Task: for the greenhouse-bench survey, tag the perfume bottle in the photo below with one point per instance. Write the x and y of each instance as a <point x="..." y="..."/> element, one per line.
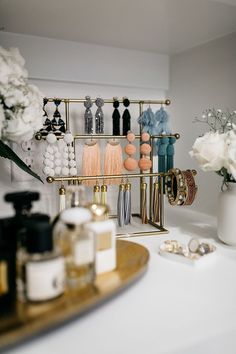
<point x="78" y="247"/>
<point x="105" y="235"/>
<point x="42" y="270"/>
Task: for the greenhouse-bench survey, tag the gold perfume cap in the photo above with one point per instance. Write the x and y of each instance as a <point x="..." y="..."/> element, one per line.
<point x="99" y="211"/>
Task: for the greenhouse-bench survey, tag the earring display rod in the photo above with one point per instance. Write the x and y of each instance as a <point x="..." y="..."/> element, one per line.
<point x="39" y="136"/>
<point x="166" y="102"/>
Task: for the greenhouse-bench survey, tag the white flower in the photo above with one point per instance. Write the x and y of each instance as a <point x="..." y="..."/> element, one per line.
<point x="21" y="103"/>
<point x="2" y="119"/>
<point x="209" y="150"/>
<point x="231" y="153"/>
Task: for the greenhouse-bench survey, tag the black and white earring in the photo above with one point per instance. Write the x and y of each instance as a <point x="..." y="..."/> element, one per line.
<point x="99" y="116"/>
<point x="88" y="116"/>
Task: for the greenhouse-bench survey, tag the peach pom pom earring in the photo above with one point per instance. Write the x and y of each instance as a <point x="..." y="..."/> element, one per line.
<point x="130" y="163"/>
<point x="145" y="149"/>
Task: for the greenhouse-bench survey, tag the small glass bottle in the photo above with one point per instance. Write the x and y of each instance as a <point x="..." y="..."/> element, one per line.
<point x="42" y="270"/>
<point x="78" y="247"/>
<point x="105" y="236"/>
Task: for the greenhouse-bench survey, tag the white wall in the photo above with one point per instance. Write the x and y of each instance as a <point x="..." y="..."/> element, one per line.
<point x="69" y="69"/>
<point x="200" y="78"/>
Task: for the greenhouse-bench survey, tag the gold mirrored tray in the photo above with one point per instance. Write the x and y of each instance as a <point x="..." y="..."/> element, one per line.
<point x="31" y="320"/>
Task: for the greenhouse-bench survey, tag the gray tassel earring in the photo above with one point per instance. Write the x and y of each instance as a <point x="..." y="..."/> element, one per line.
<point x="88" y="116"/>
<point x="99" y="116"/>
<point x="120" y="205"/>
<point x="127" y="202"/>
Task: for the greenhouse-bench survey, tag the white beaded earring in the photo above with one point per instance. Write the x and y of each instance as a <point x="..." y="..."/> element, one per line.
<point x="49" y="159"/>
<point x="69" y="163"/>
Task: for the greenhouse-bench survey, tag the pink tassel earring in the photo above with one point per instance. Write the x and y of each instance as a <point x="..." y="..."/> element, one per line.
<point x="91" y="160"/>
<point x="113" y="162"/>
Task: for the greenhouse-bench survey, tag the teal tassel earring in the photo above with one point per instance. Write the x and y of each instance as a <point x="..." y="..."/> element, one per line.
<point x="170" y="153"/>
<point x="162" y="147"/>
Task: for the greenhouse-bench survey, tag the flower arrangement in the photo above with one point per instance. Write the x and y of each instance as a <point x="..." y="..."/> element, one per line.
<point x="20" y="105"/>
<point x="216" y="149"/>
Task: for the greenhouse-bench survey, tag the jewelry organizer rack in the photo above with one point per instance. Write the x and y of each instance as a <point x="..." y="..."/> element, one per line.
<point x="159" y="226"/>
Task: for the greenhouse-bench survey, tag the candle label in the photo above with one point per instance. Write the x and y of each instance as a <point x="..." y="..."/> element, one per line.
<point x="104" y="241"/>
<point x="84" y="252"/>
<point x="45" y="280"/>
<point x="3" y="278"/>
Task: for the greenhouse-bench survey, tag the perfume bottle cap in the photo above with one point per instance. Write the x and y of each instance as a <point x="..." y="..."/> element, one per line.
<point x="39" y="237"/>
<point x="22" y="201"/>
<point x="99" y="211"/>
<point x="76" y="216"/>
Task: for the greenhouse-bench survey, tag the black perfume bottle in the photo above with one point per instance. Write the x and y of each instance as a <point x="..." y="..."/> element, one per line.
<point x="12" y="241"/>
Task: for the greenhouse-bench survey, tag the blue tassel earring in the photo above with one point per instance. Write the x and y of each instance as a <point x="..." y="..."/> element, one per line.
<point x="170" y="153"/>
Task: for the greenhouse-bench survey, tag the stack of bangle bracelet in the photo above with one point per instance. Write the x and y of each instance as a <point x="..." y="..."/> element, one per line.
<point x="180" y="187"/>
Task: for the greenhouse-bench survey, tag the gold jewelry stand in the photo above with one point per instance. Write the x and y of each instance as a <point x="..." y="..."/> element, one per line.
<point x="78" y="179"/>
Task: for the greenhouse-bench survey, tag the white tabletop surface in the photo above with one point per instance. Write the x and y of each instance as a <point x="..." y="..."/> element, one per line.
<point x="174" y="308"/>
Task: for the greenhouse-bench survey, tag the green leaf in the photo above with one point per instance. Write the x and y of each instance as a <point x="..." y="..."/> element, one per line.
<point x="8" y="153"/>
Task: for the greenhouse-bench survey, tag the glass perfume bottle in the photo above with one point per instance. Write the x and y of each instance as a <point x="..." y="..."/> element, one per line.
<point x="78" y="247"/>
<point x="41" y="271"/>
<point x="105" y="235"/>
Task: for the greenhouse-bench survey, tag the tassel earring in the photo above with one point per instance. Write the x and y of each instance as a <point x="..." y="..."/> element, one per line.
<point x="162" y="147"/>
<point x="91" y="165"/>
<point x="104" y="194"/>
<point x="113" y="162"/>
<point x="126" y="117"/>
<point x="127" y="203"/>
<point x="144" y="203"/>
<point x="88" y="116"/>
<point x="170" y="151"/>
<point x="99" y="116"/>
<point x="96" y="193"/>
<point x="62" y="198"/>
<point x="121" y="205"/>
<point x="155" y="202"/>
<point x="116" y="117"/>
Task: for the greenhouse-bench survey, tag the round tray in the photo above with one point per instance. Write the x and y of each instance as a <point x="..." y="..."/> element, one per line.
<point x="31" y="320"/>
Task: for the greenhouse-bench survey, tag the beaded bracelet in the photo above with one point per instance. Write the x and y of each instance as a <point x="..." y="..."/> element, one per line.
<point x="175" y="187"/>
<point x="191" y="188"/>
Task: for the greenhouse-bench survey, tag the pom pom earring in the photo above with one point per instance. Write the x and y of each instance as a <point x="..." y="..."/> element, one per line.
<point x="126" y="117"/>
<point x="99" y="116"/>
<point x="68" y="162"/>
<point x="145" y="149"/>
<point x="130" y="163"/>
<point x="116" y="118"/>
<point x="49" y="155"/>
<point x="88" y="116"/>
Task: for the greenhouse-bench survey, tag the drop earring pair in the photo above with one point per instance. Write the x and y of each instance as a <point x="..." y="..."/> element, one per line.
<point x="125" y="117"/>
<point x="100" y="198"/>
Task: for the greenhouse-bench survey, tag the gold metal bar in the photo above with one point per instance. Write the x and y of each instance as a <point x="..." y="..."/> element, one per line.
<point x="67" y="114"/>
<point x="51" y="179"/>
<point x="108" y="136"/>
<point x="81" y="100"/>
<point x="161" y="201"/>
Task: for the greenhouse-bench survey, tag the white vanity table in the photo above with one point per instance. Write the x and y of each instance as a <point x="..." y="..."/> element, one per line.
<point x="174" y="308"/>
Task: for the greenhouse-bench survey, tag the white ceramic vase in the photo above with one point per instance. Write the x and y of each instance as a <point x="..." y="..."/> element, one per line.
<point x="226" y="218"/>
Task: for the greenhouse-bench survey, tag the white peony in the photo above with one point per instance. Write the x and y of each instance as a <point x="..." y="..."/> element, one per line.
<point x="210" y="151"/>
<point x="231" y="153"/>
<point x="21" y="102"/>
